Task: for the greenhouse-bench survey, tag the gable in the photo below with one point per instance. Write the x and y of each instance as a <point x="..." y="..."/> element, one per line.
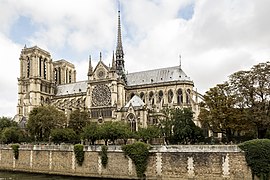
<point x="101" y="71"/>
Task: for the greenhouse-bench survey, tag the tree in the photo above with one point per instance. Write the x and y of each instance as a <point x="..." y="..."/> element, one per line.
<point x="11" y="135"/>
<point x="78" y="120"/>
<point x="178" y="127"/>
<point x="166" y="126"/>
<point x="7" y="122"/>
<point x="111" y="131"/>
<point x="65" y="135"/>
<point x="184" y="129"/>
<point x="91" y="132"/>
<point x="252" y="89"/>
<point x="220" y="114"/>
<point x="43" y="119"/>
<point x="124" y="132"/>
<point x="148" y="133"/>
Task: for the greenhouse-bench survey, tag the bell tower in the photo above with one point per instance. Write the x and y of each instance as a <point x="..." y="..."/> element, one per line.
<point x="36" y="82"/>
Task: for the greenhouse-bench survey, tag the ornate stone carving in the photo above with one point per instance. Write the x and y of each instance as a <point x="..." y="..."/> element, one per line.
<point x="101" y="95"/>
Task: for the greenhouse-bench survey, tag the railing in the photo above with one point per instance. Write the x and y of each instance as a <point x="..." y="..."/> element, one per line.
<point x="117" y="148"/>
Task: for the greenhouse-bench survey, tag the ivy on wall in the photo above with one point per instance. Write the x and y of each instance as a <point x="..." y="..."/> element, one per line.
<point x="257" y="153"/>
<point x="79" y="154"/>
<point x="139" y="153"/>
<point x="15" y="148"/>
<point x="104" y="156"/>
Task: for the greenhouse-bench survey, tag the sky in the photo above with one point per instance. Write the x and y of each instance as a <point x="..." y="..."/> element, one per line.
<point x="214" y="38"/>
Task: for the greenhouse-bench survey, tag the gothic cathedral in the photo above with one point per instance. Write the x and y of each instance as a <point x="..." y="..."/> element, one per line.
<point x="108" y="94"/>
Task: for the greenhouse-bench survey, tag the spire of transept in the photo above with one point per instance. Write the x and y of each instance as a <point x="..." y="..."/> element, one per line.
<point x="120" y="64"/>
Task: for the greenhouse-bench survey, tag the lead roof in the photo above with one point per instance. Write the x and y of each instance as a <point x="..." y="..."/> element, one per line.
<point x="162" y="75"/>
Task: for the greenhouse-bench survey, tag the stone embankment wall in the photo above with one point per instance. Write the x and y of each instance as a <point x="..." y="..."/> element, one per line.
<point x="202" y="162"/>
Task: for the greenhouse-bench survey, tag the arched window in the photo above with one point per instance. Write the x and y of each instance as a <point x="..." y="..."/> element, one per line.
<point x="188" y="96"/>
<point x="59" y="75"/>
<point x="28" y="67"/>
<point x="132" y="122"/>
<point x="55" y="75"/>
<point x="69" y="76"/>
<point x="42" y="100"/>
<point x="47" y="100"/>
<point x="160" y="96"/>
<point x="170" y="96"/>
<point x="45" y="68"/>
<point x="40" y="66"/>
<point x="179" y="96"/>
<point x="142" y="96"/>
<point x="151" y="97"/>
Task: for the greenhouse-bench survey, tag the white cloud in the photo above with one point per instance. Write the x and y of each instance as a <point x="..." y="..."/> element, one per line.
<point x="221" y="37"/>
<point x="9" y="63"/>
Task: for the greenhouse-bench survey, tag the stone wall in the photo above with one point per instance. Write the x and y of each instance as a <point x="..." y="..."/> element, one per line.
<point x="165" y="162"/>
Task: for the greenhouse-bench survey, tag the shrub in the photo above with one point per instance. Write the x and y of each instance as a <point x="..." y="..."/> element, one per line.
<point x="139" y="153"/>
<point x="15" y="148"/>
<point x="104" y="157"/>
<point x="79" y="154"/>
<point x="257" y="153"/>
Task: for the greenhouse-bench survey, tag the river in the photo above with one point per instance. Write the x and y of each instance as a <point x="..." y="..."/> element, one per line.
<point x="10" y="175"/>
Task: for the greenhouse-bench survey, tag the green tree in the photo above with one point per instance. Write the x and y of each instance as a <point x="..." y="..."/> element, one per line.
<point x="220" y="114"/>
<point x="65" y="135"/>
<point x="166" y="126"/>
<point x="111" y="131"/>
<point x="149" y="133"/>
<point x="91" y="132"/>
<point x="77" y="120"/>
<point x="184" y="129"/>
<point x="178" y="127"/>
<point x="11" y="135"/>
<point x="124" y="132"/>
<point x="43" y="119"/>
<point x="7" y="122"/>
<point x="252" y="91"/>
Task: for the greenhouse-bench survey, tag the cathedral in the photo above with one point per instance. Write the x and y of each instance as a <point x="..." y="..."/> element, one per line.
<point x="108" y="94"/>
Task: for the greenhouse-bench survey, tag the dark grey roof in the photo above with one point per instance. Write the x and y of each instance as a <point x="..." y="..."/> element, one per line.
<point x="157" y="76"/>
<point x="72" y="88"/>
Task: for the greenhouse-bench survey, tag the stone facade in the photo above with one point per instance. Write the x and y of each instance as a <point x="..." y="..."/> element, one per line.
<point x="109" y="93"/>
<point x="171" y="162"/>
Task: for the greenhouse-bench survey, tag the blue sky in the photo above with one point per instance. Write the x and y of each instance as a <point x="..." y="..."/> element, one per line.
<point x="214" y="38"/>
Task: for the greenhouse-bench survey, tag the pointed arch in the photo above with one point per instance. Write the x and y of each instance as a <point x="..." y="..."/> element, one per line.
<point x="188" y="96"/>
<point x="170" y="96"/>
<point x="179" y="96"/>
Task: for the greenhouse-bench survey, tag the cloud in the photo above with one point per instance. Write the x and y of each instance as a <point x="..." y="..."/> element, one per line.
<point x="9" y="64"/>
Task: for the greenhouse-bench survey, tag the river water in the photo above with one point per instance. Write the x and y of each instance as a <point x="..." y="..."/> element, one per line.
<point x="9" y="175"/>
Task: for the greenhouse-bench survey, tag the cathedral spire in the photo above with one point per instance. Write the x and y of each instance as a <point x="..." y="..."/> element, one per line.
<point x="120" y="63"/>
<point x="90" y="68"/>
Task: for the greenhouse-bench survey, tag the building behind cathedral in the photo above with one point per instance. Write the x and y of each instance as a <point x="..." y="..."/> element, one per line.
<point x="108" y="94"/>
